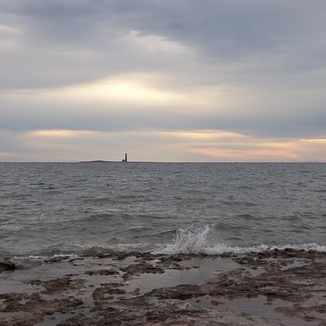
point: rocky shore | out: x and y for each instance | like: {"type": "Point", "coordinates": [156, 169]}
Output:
{"type": "Point", "coordinates": [278, 287]}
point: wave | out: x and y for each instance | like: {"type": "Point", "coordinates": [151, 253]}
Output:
{"type": "Point", "coordinates": [197, 241]}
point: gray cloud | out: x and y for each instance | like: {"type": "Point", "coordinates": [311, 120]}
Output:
{"type": "Point", "coordinates": [266, 58]}
{"type": "Point", "coordinates": [78, 41]}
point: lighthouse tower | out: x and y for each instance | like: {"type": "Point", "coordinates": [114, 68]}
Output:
{"type": "Point", "coordinates": [126, 158]}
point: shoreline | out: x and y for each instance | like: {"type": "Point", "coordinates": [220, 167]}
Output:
{"type": "Point", "coordinates": [278, 287]}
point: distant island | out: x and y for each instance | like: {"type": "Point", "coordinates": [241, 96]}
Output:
{"type": "Point", "coordinates": [99, 161]}
{"type": "Point", "coordinates": [124, 160]}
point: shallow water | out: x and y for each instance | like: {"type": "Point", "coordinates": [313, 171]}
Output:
{"type": "Point", "coordinates": [258, 306]}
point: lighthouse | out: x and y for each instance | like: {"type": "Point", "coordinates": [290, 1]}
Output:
{"type": "Point", "coordinates": [126, 158]}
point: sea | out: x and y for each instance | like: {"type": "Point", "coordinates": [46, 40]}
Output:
{"type": "Point", "coordinates": [79, 208]}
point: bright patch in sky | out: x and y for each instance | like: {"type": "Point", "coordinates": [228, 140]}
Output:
{"type": "Point", "coordinates": [156, 43]}
{"type": "Point", "coordinates": [54, 133]}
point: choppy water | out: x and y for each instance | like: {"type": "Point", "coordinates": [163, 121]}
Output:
{"type": "Point", "coordinates": [49, 208]}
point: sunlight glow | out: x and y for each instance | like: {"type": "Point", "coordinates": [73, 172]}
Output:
{"type": "Point", "coordinates": [203, 134]}
{"type": "Point", "coordinates": [134, 89]}
{"type": "Point", "coordinates": [122, 93]}
{"type": "Point", "coordinates": [126, 91]}
{"type": "Point", "coordinates": [228, 145]}
{"type": "Point", "coordinates": [59, 133]}
{"type": "Point", "coordinates": [246, 154]}
{"type": "Point", "coordinates": [143, 90]}
{"type": "Point", "coordinates": [321, 141]}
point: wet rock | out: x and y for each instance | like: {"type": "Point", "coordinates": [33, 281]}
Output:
{"type": "Point", "coordinates": [72, 260]}
{"type": "Point", "coordinates": [290, 283]}
{"type": "Point", "coordinates": [80, 320]}
{"type": "Point", "coordinates": [21, 320]}
{"type": "Point", "coordinates": [181, 292]}
{"type": "Point", "coordinates": [141, 268]}
{"type": "Point", "coordinates": [58, 285]}
{"type": "Point", "coordinates": [7, 266]}
{"type": "Point", "coordinates": [102, 272]}
{"type": "Point", "coordinates": [29, 303]}
{"type": "Point", "coordinates": [302, 287]}
{"type": "Point", "coordinates": [58, 259]}
{"type": "Point", "coordinates": [106, 291]}
{"type": "Point", "coordinates": [153, 311]}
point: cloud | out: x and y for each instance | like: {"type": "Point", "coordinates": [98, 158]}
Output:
{"type": "Point", "coordinates": [68, 42]}
{"type": "Point", "coordinates": [142, 70]}
{"type": "Point", "coordinates": [149, 145]}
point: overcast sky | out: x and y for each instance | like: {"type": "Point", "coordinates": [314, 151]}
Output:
{"type": "Point", "coordinates": [164, 80]}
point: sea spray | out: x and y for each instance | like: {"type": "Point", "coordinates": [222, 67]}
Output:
{"type": "Point", "coordinates": [198, 240]}
{"type": "Point", "coordinates": [189, 241]}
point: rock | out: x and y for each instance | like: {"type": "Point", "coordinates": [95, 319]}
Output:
{"type": "Point", "coordinates": [35, 304]}
{"type": "Point", "coordinates": [181, 292]}
{"type": "Point", "coordinates": [80, 320]}
{"type": "Point", "coordinates": [58, 285]}
{"type": "Point", "coordinates": [153, 311]}
{"type": "Point", "coordinates": [102, 272]}
{"type": "Point", "coordinates": [7, 266]}
{"type": "Point", "coordinates": [141, 268]}
{"type": "Point", "coordinates": [290, 284]}
{"type": "Point", "coordinates": [57, 259]}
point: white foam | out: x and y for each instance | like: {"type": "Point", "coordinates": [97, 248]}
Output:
{"type": "Point", "coordinates": [196, 241]}
{"type": "Point", "coordinates": [42, 257]}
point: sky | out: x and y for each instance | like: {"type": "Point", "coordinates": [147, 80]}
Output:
{"type": "Point", "coordinates": [163, 80]}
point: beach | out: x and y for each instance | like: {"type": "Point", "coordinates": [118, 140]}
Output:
{"type": "Point", "coordinates": [275, 287]}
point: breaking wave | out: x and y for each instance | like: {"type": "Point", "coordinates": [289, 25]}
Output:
{"type": "Point", "coordinates": [198, 241]}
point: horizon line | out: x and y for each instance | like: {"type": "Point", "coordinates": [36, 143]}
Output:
{"type": "Point", "coordinates": [119, 161]}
